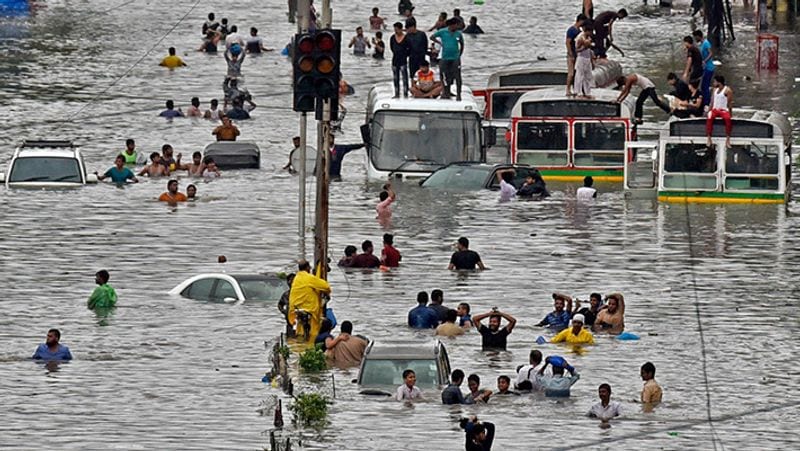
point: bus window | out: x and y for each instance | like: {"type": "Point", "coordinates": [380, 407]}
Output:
{"type": "Point", "coordinates": [599, 136]}
{"type": "Point", "coordinates": [690, 158]}
{"type": "Point", "coordinates": [542, 136]}
{"type": "Point", "coordinates": [752, 159]}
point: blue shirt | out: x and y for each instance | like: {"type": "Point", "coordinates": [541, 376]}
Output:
{"type": "Point", "coordinates": [557, 321]}
{"type": "Point", "coordinates": [450, 50]}
{"type": "Point", "coordinates": [572, 33]}
{"type": "Point", "coordinates": [119, 175]}
{"type": "Point", "coordinates": [171, 113]}
{"type": "Point", "coordinates": [423, 317]}
{"type": "Point", "coordinates": [556, 386]}
{"type": "Point", "coordinates": [452, 395]}
{"type": "Point", "coordinates": [705, 50]}
{"type": "Point", "coordinates": [464, 319]}
{"type": "Point", "coordinates": [337, 155]}
{"type": "Point", "coordinates": [43, 353]}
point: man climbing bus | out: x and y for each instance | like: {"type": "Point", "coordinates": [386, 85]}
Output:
{"type": "Point", "coordinates": [305, 295]}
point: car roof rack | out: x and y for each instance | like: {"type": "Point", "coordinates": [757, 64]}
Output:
{"type": "Point", "coordinates": [47, 143]}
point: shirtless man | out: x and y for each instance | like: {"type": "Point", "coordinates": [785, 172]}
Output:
{"type": "Point", "coordinates": [612, 319]}
{"type": "Point", "coordinates": [155, 168]}
{"type": "Point", "coordinates": [196, 167]}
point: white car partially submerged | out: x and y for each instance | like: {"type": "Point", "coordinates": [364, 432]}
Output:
{"type": "Point", "coordinates": [46, 164]}
{"type": "Point", "coordinates": [232, 288]}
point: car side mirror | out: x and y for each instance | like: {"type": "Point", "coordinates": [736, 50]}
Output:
{"type": "Point", "coordinates": [354, 381]}
{"type": "Point", "coordinates": [365, 132]}
{"type": "Point", "coordinates": [229, 300]}
{"type": "Point", "coordinates": [91, 178]}
{"type": "Point", "coordinates": [2, 177]}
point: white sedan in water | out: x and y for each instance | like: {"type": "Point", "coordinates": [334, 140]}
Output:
{"type": "Point", "coordinates": [237, 288]}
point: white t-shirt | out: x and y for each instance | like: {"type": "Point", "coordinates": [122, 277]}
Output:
{"type": "Point", "coordinates": [404, 393]}
{"type": "Point", "coordinates": [507, 191]}
{"type": "Point", "coordinates": [586, 193]}
{"type": "Point", "coordinates": [234, 38]}
{"type": "Point", "coordinates": [614, 409]}
{"type": "Point", "coordinates": [528, 373]}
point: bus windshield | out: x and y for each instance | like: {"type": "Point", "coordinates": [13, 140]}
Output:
{"type": "Point", "coordinates": [423, 140]}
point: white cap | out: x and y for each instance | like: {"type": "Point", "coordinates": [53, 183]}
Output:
{"type": "Point", "coordinates": [579, 317]}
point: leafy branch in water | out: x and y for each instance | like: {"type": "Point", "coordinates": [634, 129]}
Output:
{"type": "Point", "coordinates": [284, 351]}
{"type": "Point", "coordinates": [310, 408]}
{"type": "Point", "coordinates": [313, 360]}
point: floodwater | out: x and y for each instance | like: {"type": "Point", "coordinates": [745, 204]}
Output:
{"type": "Point", "coordinates": [170, 373]}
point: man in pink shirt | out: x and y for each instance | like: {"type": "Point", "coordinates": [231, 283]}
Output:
{"type": "Point", "coordinates": [383, 208]}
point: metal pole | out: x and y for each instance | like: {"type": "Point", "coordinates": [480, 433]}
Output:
{"type": "Point", "coordinates": [302, 26]}
{"type": "Point", "coordinates": [327, 14]}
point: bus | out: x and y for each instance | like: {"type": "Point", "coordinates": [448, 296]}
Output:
{"type": "Point", "coordinates": [409, 137]}
{"type": "Point", "coordinates": [756, 168]}
{"type": "Point", "coordinates": [568, 138]}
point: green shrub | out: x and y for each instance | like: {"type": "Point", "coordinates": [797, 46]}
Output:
{"type": "Point", "coordinates": [313, 360]}
{"type": "Point", "coordinates": [310, 408]}
{"type": "Point", "coordinates": [284, 351]}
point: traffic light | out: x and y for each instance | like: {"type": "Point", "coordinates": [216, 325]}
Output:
{"type": "Point", "coordinates": [316, 71]}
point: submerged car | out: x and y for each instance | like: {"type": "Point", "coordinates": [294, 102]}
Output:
{"type": "Point", "coordinates": [232, 287]}
{"type": "Point", "coordinates": [234, 154]}
{"type": "Point", "coordinates": [383, 365]}
{"type": "Point", "coordinates": [47, 164]}
{"type": "Point", "coordinates": [475, 176]}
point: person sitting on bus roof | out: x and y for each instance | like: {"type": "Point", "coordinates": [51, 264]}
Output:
{"type": "Point", "coordinates": [721, 106]}
{"type": "Point", "coordinates": [648, 89]}
{"type": "Point", "coordinates": [692, 107]}
{"type": "Point", "coordinates": [680, 88]}
{"type": "Point", "coordinates": [425, 85]}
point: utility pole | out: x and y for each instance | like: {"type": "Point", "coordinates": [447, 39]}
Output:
{"type": "Point", "coordinates": [323, 170]}
{"type": "Point", "coordinates": [303, 7]}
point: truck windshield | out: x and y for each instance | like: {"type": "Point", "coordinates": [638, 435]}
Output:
{"type": "Point", "coordinates": [45, 169]}
{"type": "Point", "coordinates": [422, 141]}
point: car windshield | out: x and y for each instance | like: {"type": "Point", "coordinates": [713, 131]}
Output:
{"type": "Point", "coordinates": [262, 289]}
{"type": "Point", "coordinates": [45, 169]}
{"type": "Point", "coordinates": [385, 372]}
{"type": "Point", "coordinates": [459, 177]}
{"type": "Point", "coordinates": [421, 141]}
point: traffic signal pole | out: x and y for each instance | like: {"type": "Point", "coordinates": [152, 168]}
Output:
{"type": "Point", "coordinates": [303, 7]}
{"type": "Point", "coordinates": [323, 170]}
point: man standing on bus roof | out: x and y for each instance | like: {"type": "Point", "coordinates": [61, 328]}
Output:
{"type": "Point", "coordinates": [572, 33]}
{"type": "Point", "coordinates": [603, 25]}
{"type": "Point", "coordinates": [648, 89]}
{"type": "Point", "coordinates": [452, 42]}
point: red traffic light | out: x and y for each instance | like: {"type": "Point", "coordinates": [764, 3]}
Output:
{"type": "Point", "coordinates": [305, 45]}
{"type": "Point", "coordinates": [326, 41]}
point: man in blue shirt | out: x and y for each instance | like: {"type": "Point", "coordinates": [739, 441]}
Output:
{"type": "Point", "coordinates": [560, 318]}
{"type": "Point", "coordinates": [452, 393]}
{"type": "Point", "coordinates": [51, 349]}
{"type": "Point", "coordinates": [708, 65]}
{"type": "Point", "coordinates": [422, 316]}
{"type": "Point", "coordinates": [452, 43]}
{"type": "Point", "coordinates": [572, 33]}
{"type": "Point", "coordinates": [171, 112]}
{"type": "Point", "coordinates": [338, 151]}
{"type": "Point", "coordinates": [119, 173]}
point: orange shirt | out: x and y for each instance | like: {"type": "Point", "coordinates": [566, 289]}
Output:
{"type": "Point", "coordinates": [225, 133]}
{"type": "Point", "coordinates": [178, 197]}
{"type": "Point", "coordinates": [426, 78]}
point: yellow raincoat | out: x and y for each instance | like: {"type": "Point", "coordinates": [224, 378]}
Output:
{"type": "Point", "coordinates": [305, 295]}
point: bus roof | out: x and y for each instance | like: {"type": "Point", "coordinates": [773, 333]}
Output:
{"type": "Point", "coordinates": [557, 95]}
{"type": "Point", "coordinates": [551, 73]}
{"type": "Point", "coordinates": [747, 123]}
{"type": "Point", "coordinates": [380, 98]}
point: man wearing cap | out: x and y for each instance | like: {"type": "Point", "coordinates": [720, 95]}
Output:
{"type": "Point", "coordinates": [576, 334]}
{"type": "Point", "coordinates": [556, 384]}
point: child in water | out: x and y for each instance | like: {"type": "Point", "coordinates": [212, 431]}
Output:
{"type": "Point", "coordinates": [408, 390]}
{"type": "Point", "coordinates": [377, 42]}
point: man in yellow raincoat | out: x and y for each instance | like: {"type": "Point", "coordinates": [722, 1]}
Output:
{"type": "Point", "coordinates": [305, 295]}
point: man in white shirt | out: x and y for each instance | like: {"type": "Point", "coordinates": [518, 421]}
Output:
{"type": "Point", "coordinates": [507, 188]}
{"type": "Point", "coordinates": [526, 375]}
{"type": "Point", "coordinates": [587, 192]}
{"type": "Point", "coordinates": [234, 38]}
{"type": "Point", "coordinates": [606, 409]}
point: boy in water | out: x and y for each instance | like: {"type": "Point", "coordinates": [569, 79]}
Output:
{"type": "Point", "coordinates": [408, 390]}
{"type": "Point", "coordinates": [104, 295]}
{"type": "Point", "coordinates": [155, 168]}
{"type": "Point", "coordinates": [376, 22]}
{"type": "Point", "coordinates": [380, 46]}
